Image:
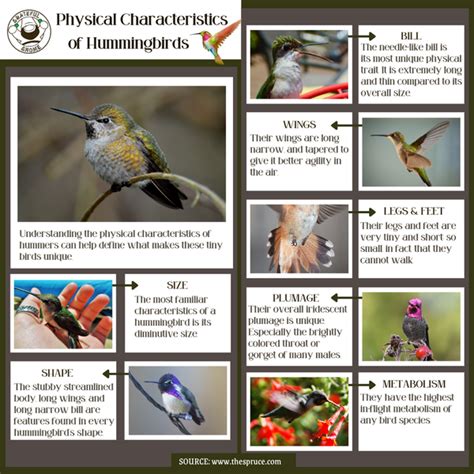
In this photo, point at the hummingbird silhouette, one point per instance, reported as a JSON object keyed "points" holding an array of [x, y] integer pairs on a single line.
{"points": [[285, 81], [292, 405], [293, 247], [411, 155], [119, 149], [212, 42], [178, 400], [57, 316], [414, 325]]}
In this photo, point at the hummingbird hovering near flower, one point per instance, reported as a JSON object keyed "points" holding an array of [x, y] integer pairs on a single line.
{"points": [[414, 325], [293, 247], [178, 400], [119, 149], [54, 314], [411, 155], [292, 405], [285, 81], [212, 43]]}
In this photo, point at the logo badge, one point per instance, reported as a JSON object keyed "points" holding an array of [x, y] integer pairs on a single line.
{"points": [[29, 31]]}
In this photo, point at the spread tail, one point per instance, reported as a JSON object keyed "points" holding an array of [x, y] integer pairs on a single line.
{"points": [[308, 257]]}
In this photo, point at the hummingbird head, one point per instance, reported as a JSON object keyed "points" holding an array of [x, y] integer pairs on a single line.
{"points": [[395, 137], [167, 383], [104, 120], [414, 308], [317, 397], [291, 49], [205, 35], [51, 302]]}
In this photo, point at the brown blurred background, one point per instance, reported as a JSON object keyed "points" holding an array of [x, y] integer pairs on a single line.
{"points": [[56, 182]]}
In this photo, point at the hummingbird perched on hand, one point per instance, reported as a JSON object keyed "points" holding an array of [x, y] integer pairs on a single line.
{"points": [[178, 400], [54, 314], [414, 325], [293, 247], [411, 155], [119, 149], [292, 405], [285, 81], [212, 42]]}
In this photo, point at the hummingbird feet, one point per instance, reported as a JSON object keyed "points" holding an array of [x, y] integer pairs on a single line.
{"points": [[116, 187]]}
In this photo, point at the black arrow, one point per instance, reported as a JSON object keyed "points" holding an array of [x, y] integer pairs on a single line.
{"points": [[108, 373], [370, 212], [335, 297], [336, 125], [371, 36], [371, 385], [133, 285]]}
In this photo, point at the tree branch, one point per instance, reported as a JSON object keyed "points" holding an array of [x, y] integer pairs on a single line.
{"points": [[173, 419], [196, 187]]}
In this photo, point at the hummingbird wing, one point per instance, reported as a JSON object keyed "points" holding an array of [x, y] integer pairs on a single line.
{"points": [[218, 38], [427, 140], [327, 211], [266, 89], [288, 399], [65, 319], [414, 160], [195, 412], [162, 191]]}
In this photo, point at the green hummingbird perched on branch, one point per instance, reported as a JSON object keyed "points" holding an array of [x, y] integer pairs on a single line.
{"points": [[119, 149], [411, 154], [285, 81], [54, 314]]}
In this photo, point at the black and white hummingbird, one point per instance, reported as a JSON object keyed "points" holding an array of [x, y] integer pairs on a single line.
{"points": [[285, 81], [292, 405], [178, 400]]}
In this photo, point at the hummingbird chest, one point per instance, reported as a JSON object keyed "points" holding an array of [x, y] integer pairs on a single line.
{"points": [[175, 405], [288, 82], [414, 328], [115, 161]]}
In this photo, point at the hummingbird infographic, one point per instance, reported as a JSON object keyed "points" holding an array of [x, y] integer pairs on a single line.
{"points": [[293, 247], [54, 314], [212, 42], [412, 155], [285, 80], [178, 400], [292, 405], [119, 149], [414, 325]]}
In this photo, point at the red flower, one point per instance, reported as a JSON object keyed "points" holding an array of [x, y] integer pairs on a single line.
{"points": [[334, 397], [270, 432], [424, 353], [328, 441], [324, 426]]}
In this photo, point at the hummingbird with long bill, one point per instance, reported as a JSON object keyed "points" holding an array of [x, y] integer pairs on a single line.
{"points": [[293, 247], [55, 315], [285, 80], [212, 42], [414, 325], [292, 405], [412, 154], [119, 149], [178, 400]]}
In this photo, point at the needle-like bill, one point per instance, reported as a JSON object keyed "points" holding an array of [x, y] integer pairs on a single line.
{"points": [[308, 53], [150, 381], [379, 136], [75, 114], [334, 403]]}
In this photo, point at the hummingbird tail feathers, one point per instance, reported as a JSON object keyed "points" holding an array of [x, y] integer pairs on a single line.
{"points": [[286, 257], [197, 416], [164, 192], [424, 176], [218, 60]]}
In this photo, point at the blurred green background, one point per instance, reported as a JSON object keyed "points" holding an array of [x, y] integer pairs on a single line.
{"points": [[306, 426], [382, 167], [383, 313], [57, 183]]}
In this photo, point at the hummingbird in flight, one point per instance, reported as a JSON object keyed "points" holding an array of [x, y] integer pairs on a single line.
{"points": [[414, 325], [292, 405], [119, 149], [285, 81], [411, 155], [55, 315], [293, 247], [212, 42], [178, 400]]}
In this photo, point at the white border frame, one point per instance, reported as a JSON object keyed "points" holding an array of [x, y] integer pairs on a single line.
{"points": [[226, 436], [282, 28]]}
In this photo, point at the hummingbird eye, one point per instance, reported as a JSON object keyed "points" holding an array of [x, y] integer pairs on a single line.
{"points": [[286, 47], [104, 120]]}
